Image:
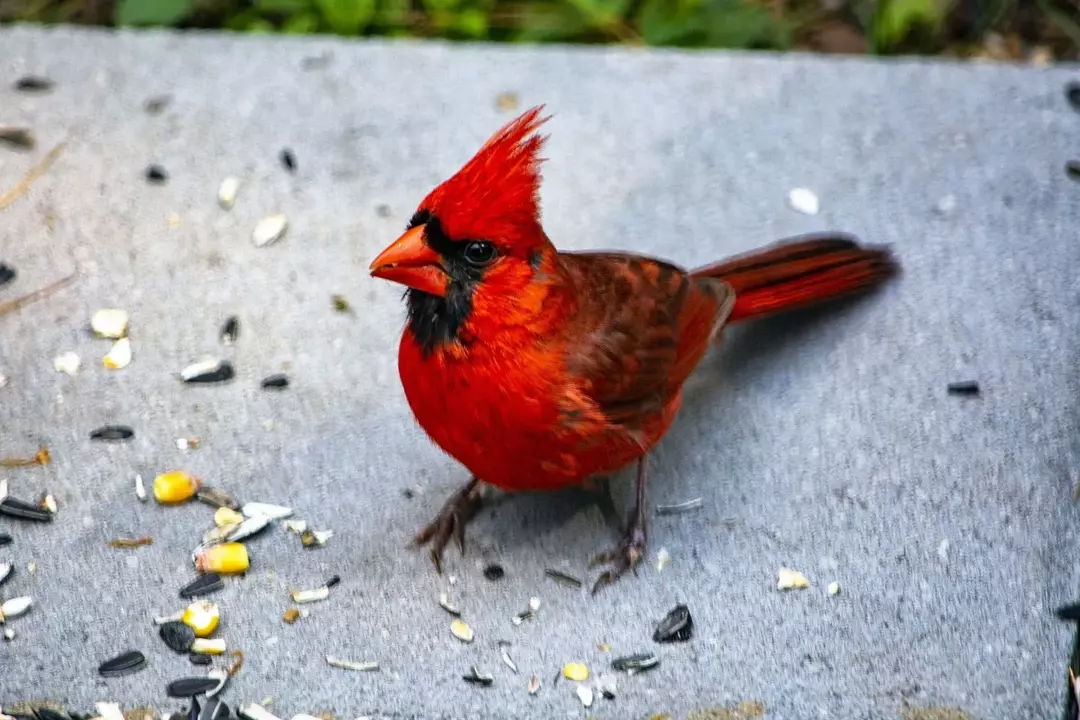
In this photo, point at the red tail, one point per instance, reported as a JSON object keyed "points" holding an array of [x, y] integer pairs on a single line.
{"points": [[799, 272]]}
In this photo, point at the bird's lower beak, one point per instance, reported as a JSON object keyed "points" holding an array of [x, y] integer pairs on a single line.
{"points": [[409, 261]]}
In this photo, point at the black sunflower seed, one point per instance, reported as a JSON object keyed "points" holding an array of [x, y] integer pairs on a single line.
{"points": [[124, 664], [178, 636], [1072, 169], [1068, 612], [334, 580], [7, 274], [154, 105], [18, 138], [230, 330], [964, 387], [202, 585], [276, 381], [194, 709], [677, 626], [214, 709], [112, 432], [198, 659], [5, 539], [288, 159], [494, 571], [32, 83], [1072, 93], [219, 372], [635, 663], [190, 687], [44, 713], [156, 175], [24, 511]]}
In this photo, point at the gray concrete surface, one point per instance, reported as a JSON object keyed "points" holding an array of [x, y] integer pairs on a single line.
{"points": [[824, 443]]}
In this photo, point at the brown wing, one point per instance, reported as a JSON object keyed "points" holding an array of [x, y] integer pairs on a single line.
{"points": [[640, 326]]}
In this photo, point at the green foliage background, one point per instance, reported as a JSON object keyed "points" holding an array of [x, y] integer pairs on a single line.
{"points": [[875, 26]]}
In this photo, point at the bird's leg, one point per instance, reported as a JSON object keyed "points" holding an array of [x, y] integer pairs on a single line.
{"points": [[451, 521], [629, 552]]}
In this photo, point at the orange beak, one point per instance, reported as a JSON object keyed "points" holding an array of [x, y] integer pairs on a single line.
{"points": [[411, 262]]}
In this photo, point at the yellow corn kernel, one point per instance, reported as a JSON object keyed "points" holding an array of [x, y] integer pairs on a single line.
{"points": [[175, 486], [576, 671], [227, 516], [202, 617], [226, 558], [202, 646]]}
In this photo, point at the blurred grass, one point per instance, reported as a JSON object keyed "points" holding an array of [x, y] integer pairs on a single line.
{"points": [[1032, 30]]}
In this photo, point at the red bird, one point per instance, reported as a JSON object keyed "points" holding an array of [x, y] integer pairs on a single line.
{"points": [[538, 369]]}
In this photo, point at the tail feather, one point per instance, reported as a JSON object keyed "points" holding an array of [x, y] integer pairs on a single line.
{"points": [[800, 272]]}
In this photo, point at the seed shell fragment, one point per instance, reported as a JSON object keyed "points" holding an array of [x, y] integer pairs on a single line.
{"points": [[804, 200], [682, 507], [534, 685], [444, 603], [301, 597], [274, 512], [119, 356], [509, 661], [315, 538], [562, 578], [350, 665], [227, 192], [224, 516], [67, 363], [254, 711], [140, 488], [677, 626], [585, 694], [476, 677], [206, 584], [631, 664], [112, 432], [277, 381], [248, 528], [17, 137], [177, 635], [788, 579], [211, 370], [127, 543], [124, 664], [5, 571], [269, 230], [291, 616], [461, 630], [215, 497], [111, 323]]}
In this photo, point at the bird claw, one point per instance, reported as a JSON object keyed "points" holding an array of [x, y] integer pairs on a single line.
{"points": [[626, 556], [450, 522]]}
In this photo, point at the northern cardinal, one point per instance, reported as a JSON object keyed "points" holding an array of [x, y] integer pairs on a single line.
{"points": [[538, 369]]}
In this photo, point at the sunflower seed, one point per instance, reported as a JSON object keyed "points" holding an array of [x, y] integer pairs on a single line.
{"points": [[478, 678], [204, 584], [192, 686], [269, 230], [677, 626], [788, 579], [175, 617], [288, 159], [585, 694], [679, 507], [276, 381], [177, 635], [274, 512], [9, 634], [350, 665], [529, 612], [461, 631], [248, 528], [17, 137], [24, 511], [33, 83], [227, 192], [125, 664], [963, 387], [210, 370], [631, 664], [444, 602], [5, 571], [110, 323], [308, 596], [804, 200], [140, 488], [1068, 612], [112, 432], [562, 578], [334, 580], [494, 571], [201, 660], [156, 174], [295, 526], [509, 661]]}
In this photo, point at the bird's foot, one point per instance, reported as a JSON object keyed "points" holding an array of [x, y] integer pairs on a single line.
{"points": [[623, 557], [451, 522]]}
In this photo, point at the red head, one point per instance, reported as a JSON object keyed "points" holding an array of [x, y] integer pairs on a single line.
{"points": [[476, 238]]}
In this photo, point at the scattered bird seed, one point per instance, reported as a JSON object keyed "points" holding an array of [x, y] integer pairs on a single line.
{"points": [[5, 571], [291, 615], [444, 602], [269, 230], [202, 617], [112, 432], [1072, 170], [274, 512], [156, 174], [461, 631], [964, 387], [340, 303], [7, 274], [478, 678], [110, 323], [227, 559], [562, 578], [15, 508], [334, 580], [122, 543], [275, 381], [631, 664], [248, 528], [788, 579], [350, 665], [206, 584], [210, 370], [534, 685], [663, 557], [585, 694], [215, 497], [175, 486], [67, 362], [177, 635], [14, 608], [125, 664], [190, 687], [494, 571], [227, 192], [315, 538], [509, 661], [677, 626], [119, 356], [33, 83], [577, 672], [140, 488], [834, 588], [804, 200], [17, 137], [207, 646], [300, 597], [677, 508], [288, 159]]}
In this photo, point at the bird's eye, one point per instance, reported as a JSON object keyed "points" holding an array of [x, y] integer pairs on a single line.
{"points": [[479, 253]]}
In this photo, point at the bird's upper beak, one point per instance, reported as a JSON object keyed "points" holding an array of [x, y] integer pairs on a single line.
{"points": [[409, 261]]}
